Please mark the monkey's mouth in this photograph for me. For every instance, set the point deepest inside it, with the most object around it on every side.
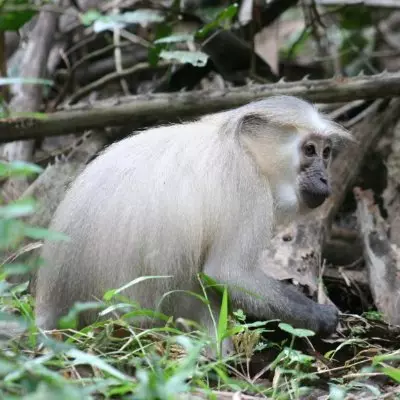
(313, 199)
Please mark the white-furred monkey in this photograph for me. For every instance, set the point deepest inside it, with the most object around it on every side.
(201, 196)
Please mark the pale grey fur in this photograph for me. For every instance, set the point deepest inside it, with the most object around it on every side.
(181, 199)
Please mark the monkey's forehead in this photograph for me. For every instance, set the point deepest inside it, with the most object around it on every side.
(315, 136)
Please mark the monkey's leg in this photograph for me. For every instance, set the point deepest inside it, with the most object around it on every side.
(263, 297)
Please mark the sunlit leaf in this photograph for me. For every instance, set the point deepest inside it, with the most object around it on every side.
(25, 81)
(394, 373)
(18, 169)
(296, 331)
(84, 358)
(101, 22)
(18, 208)
(196, 58)
(222, 18)
(385, 358)
(111, 293)
(296, 356)
(175, 39)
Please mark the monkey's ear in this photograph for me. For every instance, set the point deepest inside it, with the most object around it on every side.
(252, 120)
(248, 123)
(256, 124)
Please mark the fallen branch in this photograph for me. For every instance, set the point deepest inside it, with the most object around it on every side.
(145, 110)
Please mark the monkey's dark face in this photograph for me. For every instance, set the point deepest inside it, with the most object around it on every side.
(313, 182)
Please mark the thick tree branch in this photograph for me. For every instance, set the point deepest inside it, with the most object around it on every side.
(144, 110)
(381, 257)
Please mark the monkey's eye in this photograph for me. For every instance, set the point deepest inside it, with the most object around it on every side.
(327, 152)
(309, 150)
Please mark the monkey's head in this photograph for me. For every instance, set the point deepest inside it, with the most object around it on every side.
(292, 144)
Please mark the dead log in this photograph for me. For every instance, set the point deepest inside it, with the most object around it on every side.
(296, 251)
(391, 194)
(381, 257)
(145, 110)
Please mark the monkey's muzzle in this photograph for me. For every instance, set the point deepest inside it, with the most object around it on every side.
(314, 200)
(314, 195)
(314, 185)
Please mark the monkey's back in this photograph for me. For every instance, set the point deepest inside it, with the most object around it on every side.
(150, 205)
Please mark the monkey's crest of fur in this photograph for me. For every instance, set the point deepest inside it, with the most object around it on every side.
(180, 199)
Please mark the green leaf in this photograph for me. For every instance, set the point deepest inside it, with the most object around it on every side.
(25, 81)
(70, 321)
(90, 16)
(224, 16)
(337, 392)
(144, 313)
(60, 392)
(141, 16)
(84, 358)
(393, 373)
(296, 356)
(111, 293)
(351, 47)
(18, 208)
(11, 233)
(153, 55)
(223, 316)
(18, 169)
(42, 233)
(175, 39)
(13, 20)
(12, 318)
(384, 358)
(295, 331)
(196, 58)
(296, 43)
(356, 17)
(6, 367)
(16, 268)
(23, 114)
(108, 22)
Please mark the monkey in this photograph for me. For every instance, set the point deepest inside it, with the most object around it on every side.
(200, 196)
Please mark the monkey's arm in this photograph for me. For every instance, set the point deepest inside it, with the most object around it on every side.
(268, 297)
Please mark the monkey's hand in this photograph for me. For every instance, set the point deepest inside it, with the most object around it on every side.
(327, 316)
